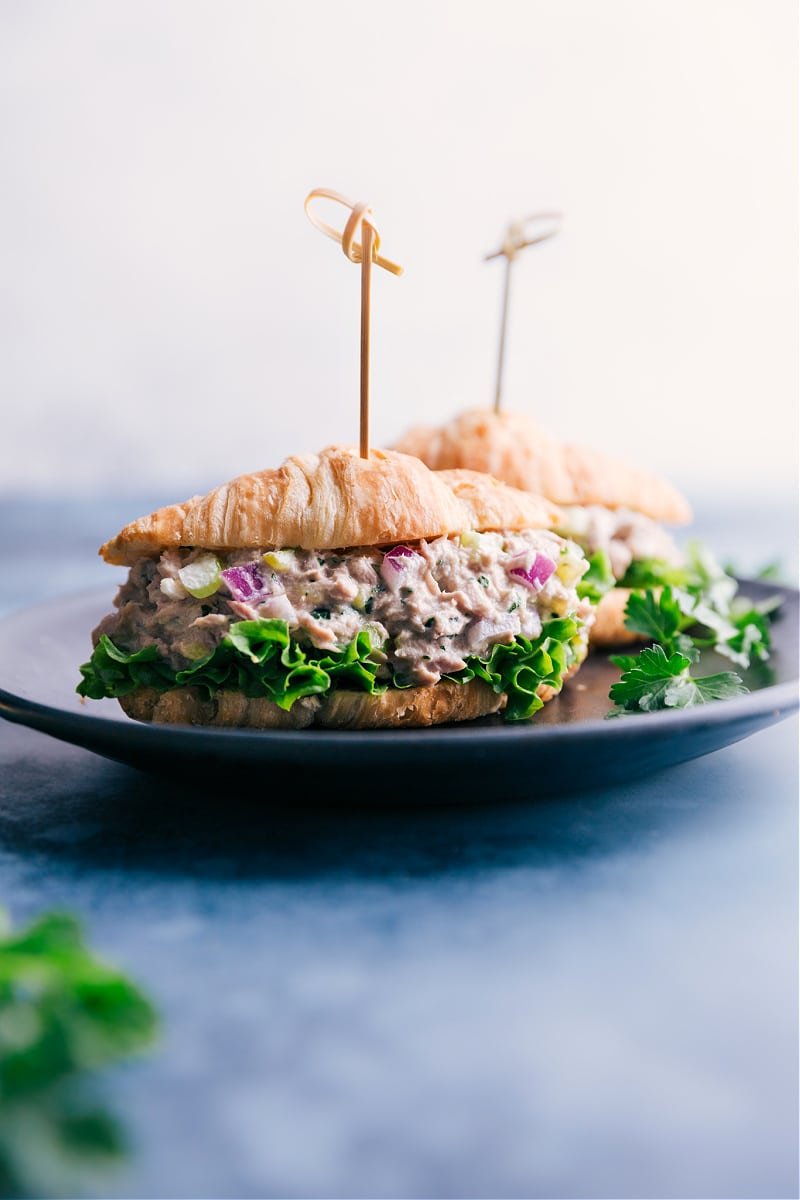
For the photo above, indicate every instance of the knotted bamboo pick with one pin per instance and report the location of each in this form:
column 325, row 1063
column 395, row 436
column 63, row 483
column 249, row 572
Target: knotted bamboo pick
column 365, row 252
column 519, row 235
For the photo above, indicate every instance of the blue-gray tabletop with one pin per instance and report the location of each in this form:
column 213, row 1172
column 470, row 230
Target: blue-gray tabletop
column 586, row 996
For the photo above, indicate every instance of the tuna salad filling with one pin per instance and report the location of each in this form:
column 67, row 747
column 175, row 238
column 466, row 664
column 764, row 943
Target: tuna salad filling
column 370, row 618
column 625, row 537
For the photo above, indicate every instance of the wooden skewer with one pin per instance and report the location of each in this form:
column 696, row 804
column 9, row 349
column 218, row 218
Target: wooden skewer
column 366, row 297
column 501, row 351
column 516, row 239
column 351, row 248
column 365, row 253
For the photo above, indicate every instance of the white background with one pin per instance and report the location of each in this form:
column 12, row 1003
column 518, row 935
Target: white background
column 170, row 318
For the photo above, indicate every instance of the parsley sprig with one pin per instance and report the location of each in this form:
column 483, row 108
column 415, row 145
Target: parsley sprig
column 63, row 1015
column 685, row 616
column 659, row 676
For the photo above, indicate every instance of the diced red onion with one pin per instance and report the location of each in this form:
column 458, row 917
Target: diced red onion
column 537, row 574
column 399, row 552
column 246, row 582
column 394, row 563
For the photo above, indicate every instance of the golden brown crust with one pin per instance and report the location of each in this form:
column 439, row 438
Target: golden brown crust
column 393, row 709
column 326, row 501
column 495, row 505
column 410, row 707
column 332, row 500
column 162, row 529
column 190, row 706
column 443, row 703
column 511, row 447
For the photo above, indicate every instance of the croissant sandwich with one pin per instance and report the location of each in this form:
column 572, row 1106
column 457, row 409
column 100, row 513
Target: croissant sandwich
column 614, row 510
column 340, row 591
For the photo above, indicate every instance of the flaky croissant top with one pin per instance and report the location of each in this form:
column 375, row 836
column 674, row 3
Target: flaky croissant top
column 331, row 501
column 511, row 447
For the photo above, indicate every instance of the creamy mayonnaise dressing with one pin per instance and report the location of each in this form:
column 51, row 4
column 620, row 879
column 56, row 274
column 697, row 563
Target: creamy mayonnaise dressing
column 426, row 606
column 625, row 535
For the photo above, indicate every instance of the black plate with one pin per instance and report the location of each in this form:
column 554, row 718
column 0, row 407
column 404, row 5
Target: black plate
column 568, row 745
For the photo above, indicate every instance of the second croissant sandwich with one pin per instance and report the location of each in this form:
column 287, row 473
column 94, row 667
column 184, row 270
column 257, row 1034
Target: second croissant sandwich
column 615, row 510
column 343, row 592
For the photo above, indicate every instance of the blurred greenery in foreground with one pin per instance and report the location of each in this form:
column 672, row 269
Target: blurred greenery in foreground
column 63, row 1014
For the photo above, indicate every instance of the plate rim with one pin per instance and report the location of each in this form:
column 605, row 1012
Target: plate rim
column 780, row 698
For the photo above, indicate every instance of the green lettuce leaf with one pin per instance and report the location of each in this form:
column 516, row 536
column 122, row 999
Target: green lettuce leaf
column 598, row 580
column 520, row 668
column 260, row 658
column 114, row 672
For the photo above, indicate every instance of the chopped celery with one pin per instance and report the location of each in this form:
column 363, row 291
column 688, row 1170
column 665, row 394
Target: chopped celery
column 570, row 570
column 202, row 577
column 193, row 650
column 279, row 560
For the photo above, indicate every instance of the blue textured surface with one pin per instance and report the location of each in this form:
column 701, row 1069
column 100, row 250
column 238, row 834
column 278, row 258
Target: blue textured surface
column 583, row 997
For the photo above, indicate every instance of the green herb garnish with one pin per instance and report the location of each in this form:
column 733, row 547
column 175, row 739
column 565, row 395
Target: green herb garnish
column 659, row 676
column 654, row 679
column 683, row 611
column 64, row 1014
